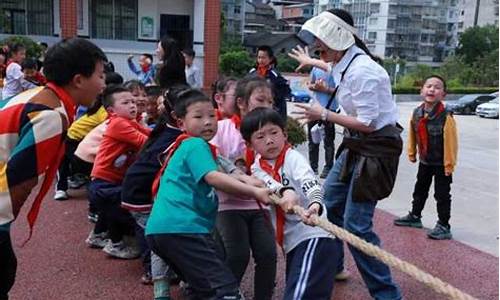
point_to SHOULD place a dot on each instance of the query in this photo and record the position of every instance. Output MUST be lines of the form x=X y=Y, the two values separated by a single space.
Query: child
x=433 y=132
x=146 y=73
x=3 y=66
x=184 y=212
x=242 y=222
x=138 y=90
x=29 y=67
x=224 y=91
x=193 y=75
x=136 y=192
x=153 y=92
x=74 y=69
x=323 y=86
x=311 y=253
x=266 y=68
x=121 y=141
x=14 y=77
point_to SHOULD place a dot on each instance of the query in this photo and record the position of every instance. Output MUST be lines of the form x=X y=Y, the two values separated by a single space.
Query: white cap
x=330 y=29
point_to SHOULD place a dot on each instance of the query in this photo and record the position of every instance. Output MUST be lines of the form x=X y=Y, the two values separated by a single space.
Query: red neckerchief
x=262 y=70
x=274 y=172
x=219 y=115
x=170 y=152
x=236 y=119
x=422 y=126
x=50 y=173
x=145 y=68
x=66 y=100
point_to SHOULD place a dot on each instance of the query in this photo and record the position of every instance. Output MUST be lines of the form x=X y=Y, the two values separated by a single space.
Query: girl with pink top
x=242 y=222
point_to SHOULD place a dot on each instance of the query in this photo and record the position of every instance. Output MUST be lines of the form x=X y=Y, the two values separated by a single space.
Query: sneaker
x=77 y=181
x=120 y=250
x=98 y=240
x=440 y=232
x=315 y=170
x=342 y=275
x=409 y=220
x=325 y=172
x=61 y=196
x=93 y=217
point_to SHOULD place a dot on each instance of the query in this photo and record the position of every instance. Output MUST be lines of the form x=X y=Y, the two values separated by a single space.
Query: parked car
x=468 y=103
x=300 y=93
x=488 y=110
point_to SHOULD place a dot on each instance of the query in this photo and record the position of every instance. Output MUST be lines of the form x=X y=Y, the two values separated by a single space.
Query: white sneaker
x=61 y=195
x=120 y=250
x=98 y=240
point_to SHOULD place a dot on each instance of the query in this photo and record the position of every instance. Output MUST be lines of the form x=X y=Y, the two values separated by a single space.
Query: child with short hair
x=223 y=94
x=138 y=90
x=242 y=222
x=153 y=92
x=311 y=253
x=30 y=70
x=185 y=208
x=434 y=134
x=193 y=74
x=146 y=71
x=123 y=138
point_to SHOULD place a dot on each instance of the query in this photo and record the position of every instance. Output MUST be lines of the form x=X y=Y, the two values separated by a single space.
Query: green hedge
x=460 y=90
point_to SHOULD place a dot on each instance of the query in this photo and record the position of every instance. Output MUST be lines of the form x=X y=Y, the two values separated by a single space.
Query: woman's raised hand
x=302 y=56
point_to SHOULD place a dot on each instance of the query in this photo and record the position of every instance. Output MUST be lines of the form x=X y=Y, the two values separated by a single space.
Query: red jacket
x=122 y=140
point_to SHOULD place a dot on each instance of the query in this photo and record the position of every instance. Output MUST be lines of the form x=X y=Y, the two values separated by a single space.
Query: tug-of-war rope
x=435 y=283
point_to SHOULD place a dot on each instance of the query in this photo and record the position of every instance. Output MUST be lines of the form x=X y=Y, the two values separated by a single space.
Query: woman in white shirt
x=367 y=160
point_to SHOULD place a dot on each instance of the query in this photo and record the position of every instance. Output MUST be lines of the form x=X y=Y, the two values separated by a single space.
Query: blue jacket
x=144 y=77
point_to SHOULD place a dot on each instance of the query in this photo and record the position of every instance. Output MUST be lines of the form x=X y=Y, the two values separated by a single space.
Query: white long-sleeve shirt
x=365 y=92
x=296 y=173
x=14 y=82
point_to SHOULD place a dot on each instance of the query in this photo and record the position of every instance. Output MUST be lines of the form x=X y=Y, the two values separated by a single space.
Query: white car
x=489 y=109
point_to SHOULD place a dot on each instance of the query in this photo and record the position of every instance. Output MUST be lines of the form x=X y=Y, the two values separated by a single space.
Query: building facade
x=419 y=31
x=477 y=13
x=121 y=27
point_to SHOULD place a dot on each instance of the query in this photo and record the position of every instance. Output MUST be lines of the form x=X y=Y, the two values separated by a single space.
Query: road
x=56 y=264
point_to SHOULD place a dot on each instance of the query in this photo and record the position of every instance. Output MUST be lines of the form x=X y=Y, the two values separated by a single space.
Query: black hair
x=44 y=44
x=172 y=71
x=29 y=63
x=153 y=90
x=438 y=77
x=221 y=85
x=189 y=52
x=109 y=91
x=165 y=118
x=147 y=55
x=245 y=88
x=258 y=118
x=270 y=53
x=15 y=47
x=113 y=78
x=109 y=67
x=187 y=98
x=134 y=84
x=70 y=57
x=347 y=17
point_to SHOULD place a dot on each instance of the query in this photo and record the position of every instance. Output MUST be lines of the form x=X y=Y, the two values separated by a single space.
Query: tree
x=235 y=63
x=477 y=41
x=33 y=50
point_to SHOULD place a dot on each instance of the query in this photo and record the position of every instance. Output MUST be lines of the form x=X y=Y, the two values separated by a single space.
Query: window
x=237 y=9
x=391 y=24
x=461 y=25
x=114 y=19
x=373 y=21
x=306 y=11
x=374 y=8
x=17 y=13
x=372 y=36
